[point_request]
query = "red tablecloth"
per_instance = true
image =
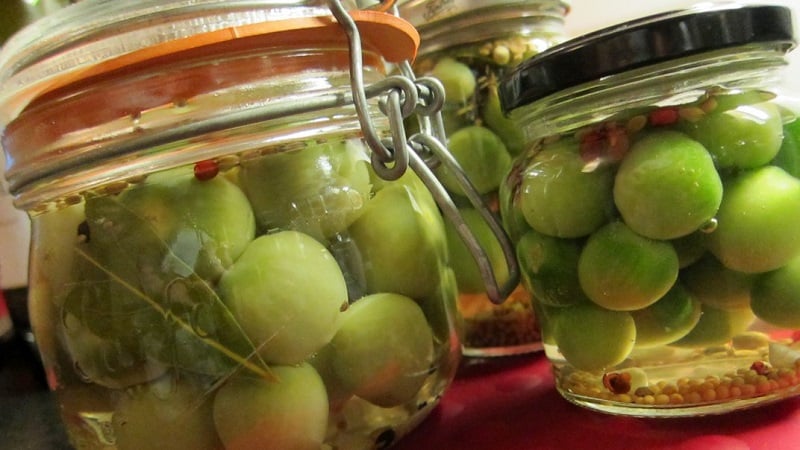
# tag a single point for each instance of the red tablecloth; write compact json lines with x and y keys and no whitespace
{"x":511,"y":404}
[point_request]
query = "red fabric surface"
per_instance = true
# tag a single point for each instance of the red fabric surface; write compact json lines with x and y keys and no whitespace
{"x":511,"y":404}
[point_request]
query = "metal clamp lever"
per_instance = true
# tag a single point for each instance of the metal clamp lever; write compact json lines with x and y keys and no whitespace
{"x":390,"y":162}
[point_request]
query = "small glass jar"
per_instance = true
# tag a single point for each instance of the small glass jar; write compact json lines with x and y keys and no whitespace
{"x":469,"y":46}
{"x":655,"y":211}
{"x":215,"y":262}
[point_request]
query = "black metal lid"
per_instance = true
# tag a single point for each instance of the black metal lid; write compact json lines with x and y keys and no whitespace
{"x":644,"y":42}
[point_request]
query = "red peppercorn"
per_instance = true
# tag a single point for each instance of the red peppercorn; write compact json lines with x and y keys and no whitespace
{"x":617,"y":383}
{"x":760,"y":367}
{"x":206,"y":170}
{"x":663,"y":116}
{"x":607,"y":142}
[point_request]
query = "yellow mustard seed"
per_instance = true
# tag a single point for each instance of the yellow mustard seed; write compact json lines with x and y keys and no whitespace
{"x":693,"y":397}
{"x":636,"y":123}
{"x":501,"y":55}
{"x":723,"y":392}
{"x":662,"y":399}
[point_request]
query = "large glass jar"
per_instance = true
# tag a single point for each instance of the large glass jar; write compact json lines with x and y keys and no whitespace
{"x":215,"y":262}
{"x":469,"y":45}
{"x":655,"y":211}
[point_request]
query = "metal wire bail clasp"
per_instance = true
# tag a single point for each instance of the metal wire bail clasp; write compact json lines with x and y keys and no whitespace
{"x":403,"y":96}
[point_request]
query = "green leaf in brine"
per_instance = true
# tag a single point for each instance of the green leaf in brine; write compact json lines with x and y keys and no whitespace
{"x":138,"y":282}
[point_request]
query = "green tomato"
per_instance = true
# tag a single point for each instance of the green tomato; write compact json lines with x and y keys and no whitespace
{"x":215,"y":225}
{"x":757,"y":229}
{"x":776,"y":296}
{"x":743,"y":137}
{"x":171,"y":413}
{"x":593,"y":338}
{"x":318,"y":190}
{"x":549,"y":268}
{"x":115,"y":363}
{"x":482,"y":156}
{"x":466,"y":269}
{"x":714,"y":284}
{"x":383,"y":350}
{"x":288,"y":414}
{"x":204,"y":224}
{"x":558,"y":199}
{"x":507,"y":129}
{"x":716,"y":326}
{"x":788,"y":157}
{"x":286,"y":292}
{"x":621,"y":270}
{"x":457,"y":78}
{"x":401,"y":241}
{"x":667,"y":186}
{"x":668,"y":319}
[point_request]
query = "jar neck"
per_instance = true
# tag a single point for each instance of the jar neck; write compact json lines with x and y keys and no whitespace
{"x":456,"y":25}
{"x":670,"y":83}
{"x":114,"y":126}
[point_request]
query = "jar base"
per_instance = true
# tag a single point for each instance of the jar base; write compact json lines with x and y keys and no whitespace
{"x":665,"y":412}
{"x":670,"y":382}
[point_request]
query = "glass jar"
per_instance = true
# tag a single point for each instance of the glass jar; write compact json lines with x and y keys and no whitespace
{"x":215,"y":263}
{"x":469,"y":45}
{"x":654,"y":211}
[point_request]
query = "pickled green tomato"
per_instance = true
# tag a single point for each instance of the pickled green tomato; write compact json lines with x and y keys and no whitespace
{"x":319,"y":190}
{"x":670,"y":318}
{"x":457,"y":78}
{"x":593,"y":338}
{"x":621,"y":270}
{"x":400,"y":237}
{"x":466,"y":269}
{"x":558,"y":199}
{"x":744,"y":137}
{"x":667,"y":186}
{"x":549,"y":268}
{"x":215,"y":224}
{"x":716,"y":326}
{"x":205,"y":224}
{"x":776,"y":296}
{"x":714,"y":284}
{"x":503,"y":126}
{"x":788,"y":157}
{"x":514,"y":222}
{"x":171,"y":413}
{"x":288,"y":414}
{"x":690,"y":248}
{"x":383,"y":350}
{"x":286,"y":291}
{"x":482,"y":156}
{"x":757,"y":230}
{"x":108,"y":362}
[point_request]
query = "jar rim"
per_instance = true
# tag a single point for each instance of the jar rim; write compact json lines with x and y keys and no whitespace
{"x":425,"y":12}
{"x":644,"y":42}
{"x":92,"y":37}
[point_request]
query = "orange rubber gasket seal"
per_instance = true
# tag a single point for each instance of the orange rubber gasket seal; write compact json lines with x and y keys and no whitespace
{"x":393,"y":37}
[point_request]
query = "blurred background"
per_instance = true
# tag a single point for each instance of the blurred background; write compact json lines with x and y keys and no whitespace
{"x":589,"y":15}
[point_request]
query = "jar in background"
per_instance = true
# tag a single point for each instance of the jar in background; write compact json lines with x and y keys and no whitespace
{"x":215,"y":262}
{"x":469,"y":45}
{"x":655,"y":211}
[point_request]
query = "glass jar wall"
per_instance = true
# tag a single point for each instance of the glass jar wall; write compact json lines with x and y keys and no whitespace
{"x":468,"y":46}
{"x":202,"y":281}
{"x":654,"y":211}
